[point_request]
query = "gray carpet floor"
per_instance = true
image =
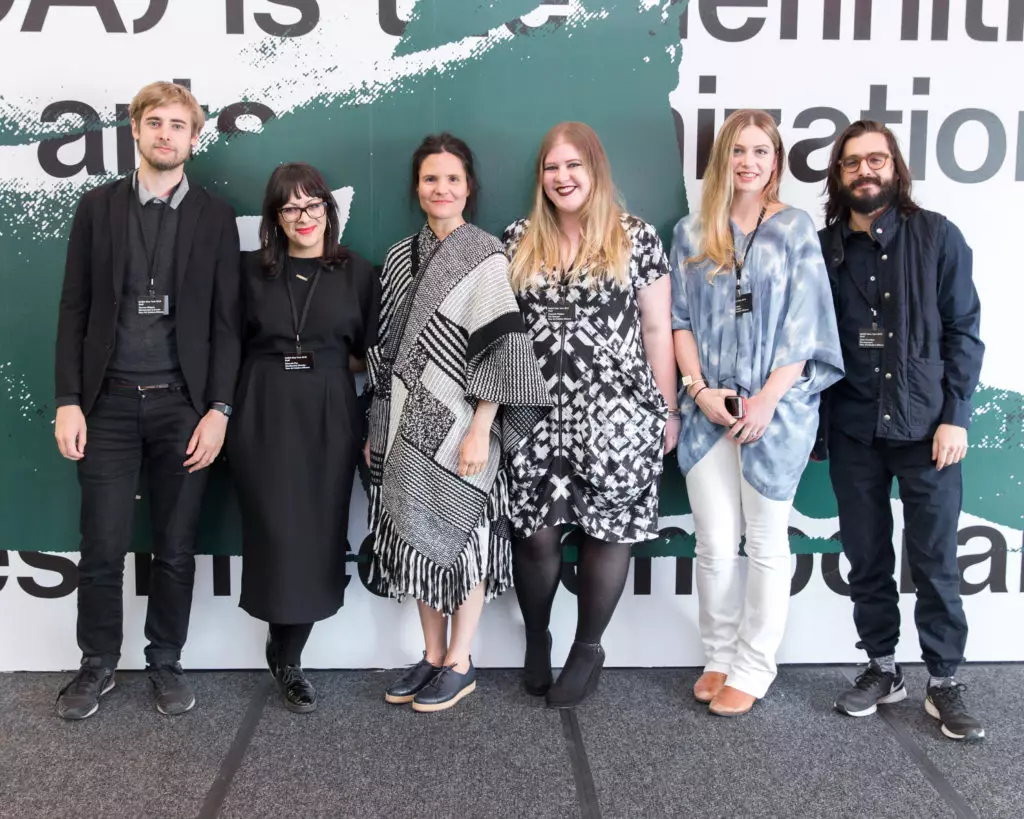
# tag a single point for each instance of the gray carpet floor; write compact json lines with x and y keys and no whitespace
{"x":641,"y":747}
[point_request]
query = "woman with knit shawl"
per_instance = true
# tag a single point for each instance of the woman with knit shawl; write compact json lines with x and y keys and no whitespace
{"x":455,"y":388}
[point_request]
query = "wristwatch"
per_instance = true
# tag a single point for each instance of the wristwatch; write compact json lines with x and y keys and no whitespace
{"x":220,"y":406}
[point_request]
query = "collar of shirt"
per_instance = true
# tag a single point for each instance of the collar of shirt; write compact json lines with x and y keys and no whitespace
{"x":145,"y":195}
{"x":882,"y":230}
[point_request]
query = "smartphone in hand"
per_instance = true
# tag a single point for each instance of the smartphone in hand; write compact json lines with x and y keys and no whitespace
{"x":736,"y":406}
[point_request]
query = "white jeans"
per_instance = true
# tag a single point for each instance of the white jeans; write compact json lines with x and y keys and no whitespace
{"x":741,"y":628}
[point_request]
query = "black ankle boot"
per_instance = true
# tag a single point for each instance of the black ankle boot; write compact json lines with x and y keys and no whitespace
{"x":298,"y":692}
{"x":579,"y":677}
{"x":537,"y":663}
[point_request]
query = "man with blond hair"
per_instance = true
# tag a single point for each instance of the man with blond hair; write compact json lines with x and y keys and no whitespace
{"x":148,"y":347}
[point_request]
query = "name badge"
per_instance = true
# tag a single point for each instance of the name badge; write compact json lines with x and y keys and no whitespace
{"x":561,"y":313}
{"x":155,"y":306}
{"x":744,"y":303}
{"x":298,"y":361}
{"x":871,"y":339}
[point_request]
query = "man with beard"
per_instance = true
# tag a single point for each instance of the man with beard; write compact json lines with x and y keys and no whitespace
{"x":148,"y":347}
{"x":908,"y":318}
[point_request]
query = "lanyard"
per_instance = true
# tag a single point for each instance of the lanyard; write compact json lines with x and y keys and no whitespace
{"x":750,"y":240}
{"x":151,"y":255}
{"x":299,"y":323}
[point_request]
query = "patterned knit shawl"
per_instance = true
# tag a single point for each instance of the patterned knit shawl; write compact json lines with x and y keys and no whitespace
{"x":450,"y":334}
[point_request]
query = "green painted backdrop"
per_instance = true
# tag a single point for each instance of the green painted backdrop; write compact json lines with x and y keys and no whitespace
{"x":613,"y":68}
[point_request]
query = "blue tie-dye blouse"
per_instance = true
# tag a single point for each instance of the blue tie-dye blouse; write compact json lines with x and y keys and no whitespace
{"x":792,"y":320}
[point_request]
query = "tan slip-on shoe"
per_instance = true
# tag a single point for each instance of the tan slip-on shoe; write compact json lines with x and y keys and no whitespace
{"x":707,"y":687}
{"x":731,"y":702}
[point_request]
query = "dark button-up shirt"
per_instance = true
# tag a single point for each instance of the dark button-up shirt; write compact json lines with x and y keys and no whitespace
{"x":929,"y":310}
{"x":858,"y":297}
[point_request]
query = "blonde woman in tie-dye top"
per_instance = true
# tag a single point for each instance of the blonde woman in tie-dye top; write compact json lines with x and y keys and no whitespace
{"x":752,"y":318}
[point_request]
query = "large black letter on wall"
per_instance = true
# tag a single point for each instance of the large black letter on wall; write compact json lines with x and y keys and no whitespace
{"x":996,"y":580}
{"x":750,"y":28}
{"x":801,"y":151}
{"x":92,"y":160}
{"x":107,"y":10}
{"x":67,"y":570}
{"x":309,"y":9}
{"x":945,"y":144}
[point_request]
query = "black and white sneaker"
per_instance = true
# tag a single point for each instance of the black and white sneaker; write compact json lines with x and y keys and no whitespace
{"x":872,"y":688}
{"x":80,"y":698}
{"x":172,"y":693}
{"x":946,"y":704}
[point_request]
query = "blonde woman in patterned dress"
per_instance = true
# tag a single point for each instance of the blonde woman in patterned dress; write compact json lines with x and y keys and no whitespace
{"x":591,"y":281}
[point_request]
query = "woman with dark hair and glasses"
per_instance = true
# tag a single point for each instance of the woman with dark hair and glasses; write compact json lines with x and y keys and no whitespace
{"x":309,"y":304}
{"x":455,"y":388}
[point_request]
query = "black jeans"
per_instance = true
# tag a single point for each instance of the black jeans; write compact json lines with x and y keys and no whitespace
{"x":128,"y":431}
{"x":862,"y":479}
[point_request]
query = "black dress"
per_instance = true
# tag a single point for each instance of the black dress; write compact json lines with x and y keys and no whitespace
{"x":295,"y":435}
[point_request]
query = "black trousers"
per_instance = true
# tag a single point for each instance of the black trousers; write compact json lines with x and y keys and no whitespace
{"x":862,"y":479}
{"x":128,"y":431}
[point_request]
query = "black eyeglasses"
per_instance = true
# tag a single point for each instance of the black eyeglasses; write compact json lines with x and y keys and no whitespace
{"x":851,"y":164}
{"x":292,"y":213}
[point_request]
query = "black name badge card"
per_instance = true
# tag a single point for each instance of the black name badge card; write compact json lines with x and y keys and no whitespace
{"x":298,"y":361}
{"x":744,"y":303}
{"x":155,"y":306}
{"x":871,"y":339}
{"x":561,"y":313}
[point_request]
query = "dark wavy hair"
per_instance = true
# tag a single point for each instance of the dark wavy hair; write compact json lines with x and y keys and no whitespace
{"x":445,"y":143}
{"x":285,"y":182}
{"x":835,"y":209}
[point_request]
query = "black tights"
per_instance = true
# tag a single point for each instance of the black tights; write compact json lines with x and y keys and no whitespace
{"x":600,"y":577}
{"x":290,"y":639}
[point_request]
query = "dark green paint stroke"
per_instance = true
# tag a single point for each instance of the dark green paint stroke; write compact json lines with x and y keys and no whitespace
{"x":432,"y":24}
{"x":501,"y":102}
{"x":993,"y":471}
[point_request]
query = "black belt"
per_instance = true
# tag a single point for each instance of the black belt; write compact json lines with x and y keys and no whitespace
{"x":121,"y":384}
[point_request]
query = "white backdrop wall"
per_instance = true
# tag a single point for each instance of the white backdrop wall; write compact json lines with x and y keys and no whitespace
{"x":945,"y":83}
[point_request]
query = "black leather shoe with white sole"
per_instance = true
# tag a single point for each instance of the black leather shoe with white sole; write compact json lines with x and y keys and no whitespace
{"x":872,"y":688}
{"x":80,"y":698}
{"x":946,"y":704}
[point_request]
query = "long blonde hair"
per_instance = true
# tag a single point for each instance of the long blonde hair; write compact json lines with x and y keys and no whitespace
{"x":604,"y":246}
{"x":716,"y":242}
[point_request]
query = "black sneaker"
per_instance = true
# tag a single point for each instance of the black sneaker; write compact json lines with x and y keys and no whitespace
{"x":873,"y":687}
{"x":946,"y":704}
{"x":80,"y":698}
{"x":171,"y":690}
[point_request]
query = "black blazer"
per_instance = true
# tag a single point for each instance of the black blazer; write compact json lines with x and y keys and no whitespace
{"x":207,"y":307}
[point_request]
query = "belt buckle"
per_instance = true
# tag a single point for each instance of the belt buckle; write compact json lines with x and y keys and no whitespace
{"x":148,"y":387}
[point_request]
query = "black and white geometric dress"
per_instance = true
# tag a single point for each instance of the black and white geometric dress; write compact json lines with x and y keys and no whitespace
{"x":596,"y":459}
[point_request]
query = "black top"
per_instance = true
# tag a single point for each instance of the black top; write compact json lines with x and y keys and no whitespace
{"x":929,"y":309}
{"x":206,"y":305}
{"x":334,"y":326}
{"x":858,"y":295}
{"x":146,"y":349}
{"x":294,"y":439}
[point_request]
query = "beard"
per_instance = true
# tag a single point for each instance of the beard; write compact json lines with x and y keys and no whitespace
{"x":868,"y":204}
{"x":162,"y":163}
